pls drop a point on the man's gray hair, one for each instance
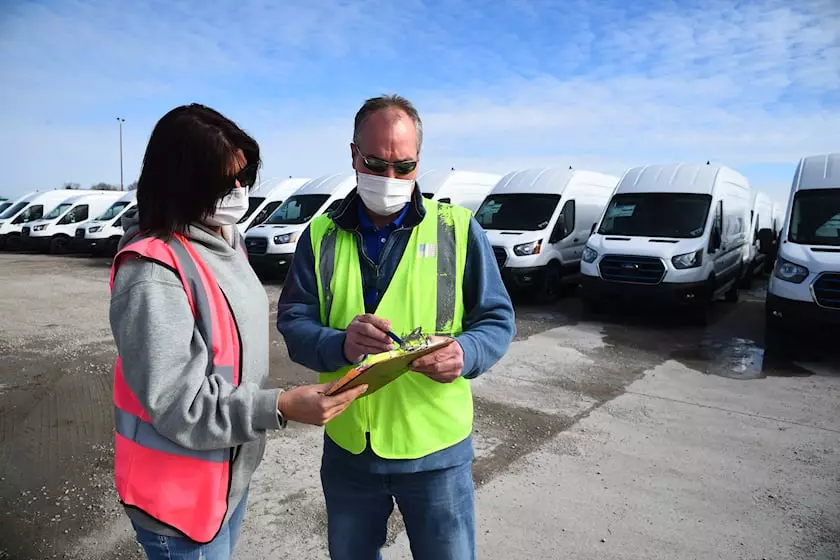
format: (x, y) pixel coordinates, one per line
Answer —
(387, 102)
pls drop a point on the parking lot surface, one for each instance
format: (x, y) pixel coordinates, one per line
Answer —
(596, 437)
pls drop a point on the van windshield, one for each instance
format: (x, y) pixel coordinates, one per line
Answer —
(4, 206)
(519, 212)
(675, 215)
(253, 203)
(58, 211)
(815, 219)
(298, 209)
(12, 210)
(113, 211)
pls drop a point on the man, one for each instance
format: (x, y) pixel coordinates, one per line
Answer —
(389, 259)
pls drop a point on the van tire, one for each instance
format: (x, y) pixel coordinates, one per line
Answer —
(59, 245)
(732, 295)
(551, 280)
(777, 342)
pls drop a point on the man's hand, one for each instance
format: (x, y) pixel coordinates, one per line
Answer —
(444, 365)
(309, 404)
(367, 334)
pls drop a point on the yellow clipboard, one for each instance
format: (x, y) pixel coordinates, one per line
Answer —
(383, 369)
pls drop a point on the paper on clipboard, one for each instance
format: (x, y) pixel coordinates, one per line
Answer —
(384, 368)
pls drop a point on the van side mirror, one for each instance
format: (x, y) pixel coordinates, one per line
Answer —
(766, 241)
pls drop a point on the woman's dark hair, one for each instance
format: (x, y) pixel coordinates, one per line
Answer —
(187, 167)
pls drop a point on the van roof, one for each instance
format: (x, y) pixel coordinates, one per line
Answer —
(677, 177)
(548, 180)
(434, 180)
(267, 187)
(338, 184)
(818, 172)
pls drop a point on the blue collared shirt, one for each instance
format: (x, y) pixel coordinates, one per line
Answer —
(488, 325)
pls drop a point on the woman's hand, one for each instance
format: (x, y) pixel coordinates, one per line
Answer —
(309, 404)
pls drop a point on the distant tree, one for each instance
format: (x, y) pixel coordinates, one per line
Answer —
(132, 186)
(104, 187)
(71, 186)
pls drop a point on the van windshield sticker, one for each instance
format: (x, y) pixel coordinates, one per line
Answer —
(621, 211)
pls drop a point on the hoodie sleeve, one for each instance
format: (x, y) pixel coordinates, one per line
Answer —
(164, 364)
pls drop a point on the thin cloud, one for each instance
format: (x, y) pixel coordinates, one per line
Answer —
(605, 85)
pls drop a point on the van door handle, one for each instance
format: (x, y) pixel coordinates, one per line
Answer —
(575, 240)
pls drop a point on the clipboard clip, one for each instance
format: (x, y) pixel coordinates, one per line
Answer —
(415, 339)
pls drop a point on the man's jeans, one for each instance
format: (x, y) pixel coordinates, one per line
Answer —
(159, 547)
(437, 508)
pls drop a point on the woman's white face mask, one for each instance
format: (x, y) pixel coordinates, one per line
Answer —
(384, 195)
(230, 209)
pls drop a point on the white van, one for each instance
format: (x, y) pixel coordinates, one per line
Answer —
(28, 208)
(672, 235)
(53, 233)
(538, 220)
(761, 217)
(102, 234)
(272, 244)
(804, 290)
(265, 198)
(463, 188)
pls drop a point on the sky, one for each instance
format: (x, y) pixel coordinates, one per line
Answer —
(500, 86)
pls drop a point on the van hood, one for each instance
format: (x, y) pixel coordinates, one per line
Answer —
(816, 258)
(511, 237)
(644, 246)
(197, 233)
(266, 230)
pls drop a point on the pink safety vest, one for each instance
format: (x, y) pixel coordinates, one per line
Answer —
(184, 488)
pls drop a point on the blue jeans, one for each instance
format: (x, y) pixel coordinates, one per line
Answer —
(438, 508)
(160, 547)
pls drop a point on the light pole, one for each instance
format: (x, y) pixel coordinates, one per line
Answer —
(121, 121)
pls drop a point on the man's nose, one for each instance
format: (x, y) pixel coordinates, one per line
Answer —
(390, 173)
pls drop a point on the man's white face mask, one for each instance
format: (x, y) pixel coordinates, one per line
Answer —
(230, 209)
(383, 195)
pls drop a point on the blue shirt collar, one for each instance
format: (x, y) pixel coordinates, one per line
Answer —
(366, 224)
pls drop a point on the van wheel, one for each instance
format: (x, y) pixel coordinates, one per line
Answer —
(777, 343)
(732, 295)
(59, 245)
(550, 289)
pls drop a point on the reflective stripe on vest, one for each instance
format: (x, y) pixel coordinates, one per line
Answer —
(413, 416)
(184, 488)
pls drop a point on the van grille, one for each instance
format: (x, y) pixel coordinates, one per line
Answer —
(256, 245)
(501, 256)
(827, 290)
(627, 268)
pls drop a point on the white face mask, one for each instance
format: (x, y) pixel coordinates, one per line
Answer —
(230, 209)
(384, 195)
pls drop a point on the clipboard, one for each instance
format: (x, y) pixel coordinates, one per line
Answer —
(383, 369)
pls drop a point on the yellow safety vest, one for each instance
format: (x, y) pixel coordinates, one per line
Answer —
(413, 416)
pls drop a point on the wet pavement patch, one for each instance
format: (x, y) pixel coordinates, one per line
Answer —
(735, 358)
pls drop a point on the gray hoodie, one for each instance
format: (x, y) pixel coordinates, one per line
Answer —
(164, 359)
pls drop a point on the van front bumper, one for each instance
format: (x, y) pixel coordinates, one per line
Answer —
(664, 294)
(804, 315)
(274, 261)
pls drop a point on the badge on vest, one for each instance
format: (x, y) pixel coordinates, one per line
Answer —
(427, 250)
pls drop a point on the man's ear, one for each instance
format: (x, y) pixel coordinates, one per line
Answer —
(353, 155)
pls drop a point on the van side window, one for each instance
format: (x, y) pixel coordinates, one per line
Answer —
(76, 215)
(565, 223)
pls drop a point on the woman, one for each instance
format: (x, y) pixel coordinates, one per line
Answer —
(190, 321)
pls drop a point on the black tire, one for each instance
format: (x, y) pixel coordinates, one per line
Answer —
(59, 245)
(778, 344)
(550, 285)
(733, 295)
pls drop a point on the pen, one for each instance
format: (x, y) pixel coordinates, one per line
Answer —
(395, 338)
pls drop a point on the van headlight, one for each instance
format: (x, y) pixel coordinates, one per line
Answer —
(94, 229)
(589, 254)
(525, 249)
(41, 227)
(790, 272)
(285, 238)
(688, 260)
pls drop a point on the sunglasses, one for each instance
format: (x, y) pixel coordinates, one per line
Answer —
(247, 176)
(381, 166)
